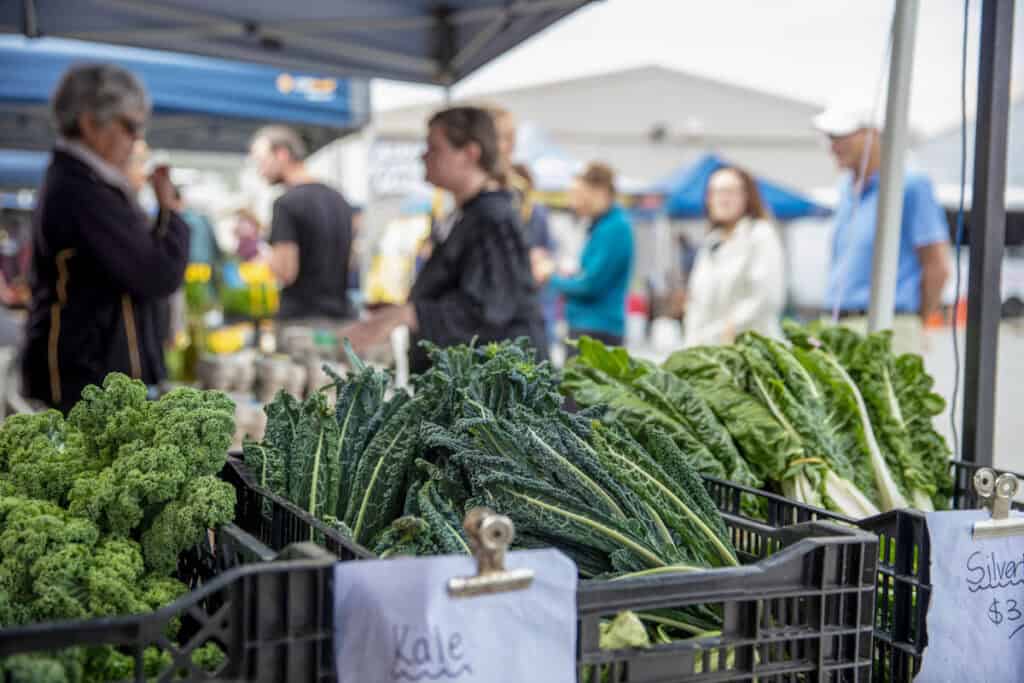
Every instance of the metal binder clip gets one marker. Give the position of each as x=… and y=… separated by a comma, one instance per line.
x=490, y=535
x=997, y=495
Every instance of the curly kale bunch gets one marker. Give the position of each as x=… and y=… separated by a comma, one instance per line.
x=54, y=565
x=119, y=459
x=96, y=508
x=39, y=458
x=161, y=453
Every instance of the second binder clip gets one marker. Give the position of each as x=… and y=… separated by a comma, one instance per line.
x=997, y=495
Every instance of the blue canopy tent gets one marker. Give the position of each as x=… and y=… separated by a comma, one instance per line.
x=428, y=41
x=199, y=103
x=684, y=193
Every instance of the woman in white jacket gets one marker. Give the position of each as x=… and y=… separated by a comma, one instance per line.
x=738, y=281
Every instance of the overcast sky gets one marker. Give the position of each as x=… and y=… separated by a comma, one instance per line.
x=807, y=49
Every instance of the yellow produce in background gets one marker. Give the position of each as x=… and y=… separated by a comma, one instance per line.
x=392, y=266
x=250, y=290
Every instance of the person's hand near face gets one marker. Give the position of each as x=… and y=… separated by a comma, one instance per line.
x=164, y=189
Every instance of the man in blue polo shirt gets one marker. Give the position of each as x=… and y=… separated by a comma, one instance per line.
x=924, y=232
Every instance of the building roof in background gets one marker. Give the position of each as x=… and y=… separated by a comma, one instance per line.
x=642, y=103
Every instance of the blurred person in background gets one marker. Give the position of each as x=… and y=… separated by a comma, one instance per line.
x=204, y=250
x=15, y=261
x=99, y=266
x=595, y=295
x=533, y=215
x=249, y=232
x=15, y=257
x=687, y=257
x=738, y=279
x=507, y=176
x=923, y=265
x=477, y=282
x=517, y=179
x=541, y=246
x=310, y=232
x=203, y=247
x=359, y=243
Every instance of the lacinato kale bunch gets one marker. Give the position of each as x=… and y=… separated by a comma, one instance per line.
x=485, y=426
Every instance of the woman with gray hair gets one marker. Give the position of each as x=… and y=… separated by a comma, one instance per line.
x=99, y=265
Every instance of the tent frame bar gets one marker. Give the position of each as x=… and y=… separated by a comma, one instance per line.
x=895, y=134
x=988, y=231
x=30, y=21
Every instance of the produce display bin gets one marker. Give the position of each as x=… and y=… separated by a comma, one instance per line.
x=805, y=612
x=904, y=565
x=277, y=522
x=269, y=618
x=801, y=609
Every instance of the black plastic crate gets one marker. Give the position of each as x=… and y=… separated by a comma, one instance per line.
x=904, y=565
x=802, y=609
x=278, y=522
x=271, y=619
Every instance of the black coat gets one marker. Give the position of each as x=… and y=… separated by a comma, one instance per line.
x=478, y=283
x=98, y=271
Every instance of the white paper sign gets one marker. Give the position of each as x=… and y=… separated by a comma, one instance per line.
x=395, y=622
x=976, y=614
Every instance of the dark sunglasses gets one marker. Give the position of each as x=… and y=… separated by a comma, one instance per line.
x=136, y=129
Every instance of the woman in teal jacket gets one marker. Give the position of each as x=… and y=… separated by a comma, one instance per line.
x=596, y=295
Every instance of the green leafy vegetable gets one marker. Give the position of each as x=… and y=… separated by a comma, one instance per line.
x=96, y=508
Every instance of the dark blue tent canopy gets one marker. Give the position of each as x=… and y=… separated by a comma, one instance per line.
x=429, y=41
x=199, y=103
x=684, y=193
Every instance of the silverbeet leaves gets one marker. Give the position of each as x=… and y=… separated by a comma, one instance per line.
x=832, y=419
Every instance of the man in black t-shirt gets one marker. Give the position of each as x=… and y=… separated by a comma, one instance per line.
x=310, y=234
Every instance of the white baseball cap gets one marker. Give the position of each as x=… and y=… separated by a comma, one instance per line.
x=845, y=117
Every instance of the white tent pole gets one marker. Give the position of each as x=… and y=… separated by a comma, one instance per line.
x=894, y=148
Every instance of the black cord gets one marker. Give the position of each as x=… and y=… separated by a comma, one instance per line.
x=959, y=234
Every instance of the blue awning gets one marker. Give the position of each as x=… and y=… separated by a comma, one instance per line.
x=199, y=103
x=23, y=200
x=429, y=41
x=21, y=169
x=684, y=193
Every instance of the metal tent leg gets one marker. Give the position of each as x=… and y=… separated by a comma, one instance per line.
x=988, y=230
